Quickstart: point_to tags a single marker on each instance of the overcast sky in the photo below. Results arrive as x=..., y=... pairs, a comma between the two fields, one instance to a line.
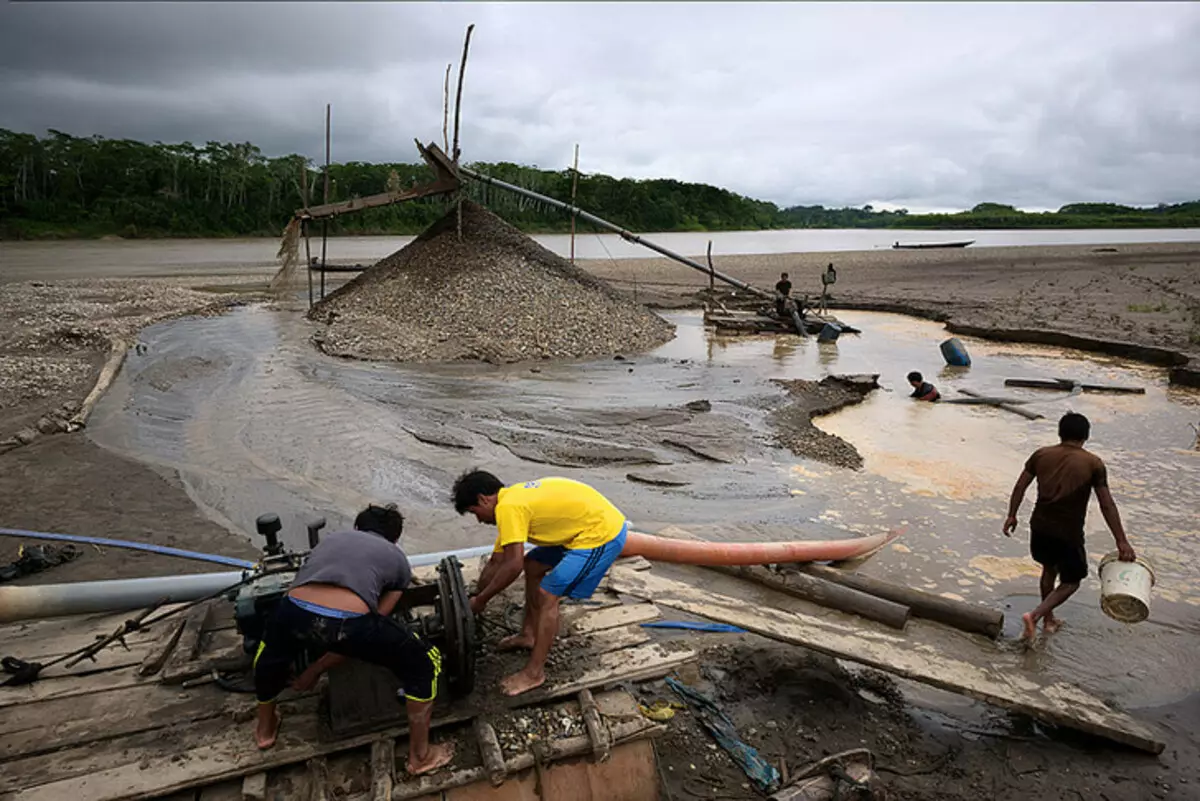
x=928, y=106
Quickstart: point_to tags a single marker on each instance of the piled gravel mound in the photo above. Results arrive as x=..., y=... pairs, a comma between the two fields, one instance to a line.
x=495, y=296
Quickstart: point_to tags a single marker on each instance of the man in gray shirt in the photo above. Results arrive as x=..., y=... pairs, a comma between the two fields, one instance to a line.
x=340, y=605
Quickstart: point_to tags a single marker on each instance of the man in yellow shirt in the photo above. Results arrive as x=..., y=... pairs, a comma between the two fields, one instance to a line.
x=579, y=534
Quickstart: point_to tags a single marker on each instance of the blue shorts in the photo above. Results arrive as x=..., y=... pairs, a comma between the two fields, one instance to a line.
x=577, y=573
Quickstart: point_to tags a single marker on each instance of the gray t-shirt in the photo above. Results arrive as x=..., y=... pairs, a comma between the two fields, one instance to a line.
x=361, y=561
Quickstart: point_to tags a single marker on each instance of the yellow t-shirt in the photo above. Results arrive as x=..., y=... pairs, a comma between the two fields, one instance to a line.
x=556, y=511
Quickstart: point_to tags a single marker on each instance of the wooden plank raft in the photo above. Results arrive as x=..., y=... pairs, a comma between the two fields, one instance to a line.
x=1054, y=702
x=116, y=735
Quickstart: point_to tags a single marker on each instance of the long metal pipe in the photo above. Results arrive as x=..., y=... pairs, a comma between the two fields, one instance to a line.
x=89, y=597
x=616, y=229
x=118, y=595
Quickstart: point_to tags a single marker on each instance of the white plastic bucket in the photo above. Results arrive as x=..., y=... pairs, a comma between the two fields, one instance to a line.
x=1125, y=588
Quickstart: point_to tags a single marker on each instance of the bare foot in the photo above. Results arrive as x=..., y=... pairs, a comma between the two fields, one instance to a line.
x=521, y=682
x=1051, y=624
x=1030, y=627
x=436, y=757
x=266, y=730
x=515, y=642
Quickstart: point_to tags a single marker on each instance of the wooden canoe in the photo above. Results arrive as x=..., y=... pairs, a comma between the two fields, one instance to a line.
x=932, y=245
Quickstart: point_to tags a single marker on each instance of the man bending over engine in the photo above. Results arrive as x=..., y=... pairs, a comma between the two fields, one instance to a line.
x=340, y=606
x=579, y=534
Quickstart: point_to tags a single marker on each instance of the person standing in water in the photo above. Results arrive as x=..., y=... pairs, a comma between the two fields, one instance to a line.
x=1066, y=476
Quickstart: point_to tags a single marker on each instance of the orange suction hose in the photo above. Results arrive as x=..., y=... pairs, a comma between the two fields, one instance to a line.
x=698, y=552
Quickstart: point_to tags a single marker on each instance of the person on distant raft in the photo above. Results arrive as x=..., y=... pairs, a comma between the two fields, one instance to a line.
x=1066, y=475
x=783, y=291
x=922, y=389
x=579, y=534
x=340, y=605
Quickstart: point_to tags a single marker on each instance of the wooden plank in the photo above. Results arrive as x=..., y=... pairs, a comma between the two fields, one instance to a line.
x=37, y=640
x=610, y=618
x=630, y=664
x=374, y=201
x=216, y=756
x=168, y=743
x=45, y=689
x=38, y=728
x=1006, y=686
x=602, y=642
x=383, y=768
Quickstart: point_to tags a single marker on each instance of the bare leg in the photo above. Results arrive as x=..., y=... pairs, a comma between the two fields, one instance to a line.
x=422, y=756
x=1053, y=600
x=1029, y=620
x=534, y=673
x=534, y=573
x=1049, y=621
x=266, y=724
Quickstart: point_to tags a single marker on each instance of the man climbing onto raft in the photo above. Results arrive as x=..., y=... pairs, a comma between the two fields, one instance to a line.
x=579, y=534
x=340, y=605
x=1066, y=475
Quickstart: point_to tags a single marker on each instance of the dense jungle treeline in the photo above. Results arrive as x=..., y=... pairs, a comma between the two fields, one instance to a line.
x=60, y=185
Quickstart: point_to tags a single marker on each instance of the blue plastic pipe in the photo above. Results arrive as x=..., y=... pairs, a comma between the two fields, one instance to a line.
x=133, y=546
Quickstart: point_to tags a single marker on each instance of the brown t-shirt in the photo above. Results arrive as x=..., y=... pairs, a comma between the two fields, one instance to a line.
x=1066, y=475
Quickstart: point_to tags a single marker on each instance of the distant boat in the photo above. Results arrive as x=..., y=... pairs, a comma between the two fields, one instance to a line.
x=931, y=245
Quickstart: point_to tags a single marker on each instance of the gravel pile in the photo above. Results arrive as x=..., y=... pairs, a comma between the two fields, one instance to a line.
x=495, y=296
x=793, y=424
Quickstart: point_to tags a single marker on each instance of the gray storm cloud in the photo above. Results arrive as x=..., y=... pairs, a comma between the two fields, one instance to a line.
x=925, y=106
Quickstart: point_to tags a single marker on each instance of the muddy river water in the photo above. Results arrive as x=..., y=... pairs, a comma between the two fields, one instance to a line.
x=254, y=419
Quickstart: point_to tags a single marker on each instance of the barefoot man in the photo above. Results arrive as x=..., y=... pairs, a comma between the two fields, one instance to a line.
x=1066, y=475
x=579, y=534
x=340, y=603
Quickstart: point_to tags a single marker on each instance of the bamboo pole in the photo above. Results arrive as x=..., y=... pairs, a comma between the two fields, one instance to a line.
x=462, y=68
x=304, y=231
x=325, y=223
x=628, y=236
x=307, y=260
x=574, y=189
x=446, y=110
x=712, y=287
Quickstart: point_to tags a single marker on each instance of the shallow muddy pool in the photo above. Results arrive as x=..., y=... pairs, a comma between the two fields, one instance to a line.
x=254, y=419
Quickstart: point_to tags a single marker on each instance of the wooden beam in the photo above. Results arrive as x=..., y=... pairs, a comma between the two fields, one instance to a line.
x=328, y=210
x=824, y=593
x=990, y=680
x=489, y=750
x=162, y=648
x=959, y=614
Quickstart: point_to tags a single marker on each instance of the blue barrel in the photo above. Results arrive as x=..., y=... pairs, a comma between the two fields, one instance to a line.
x=955, y=353
x=829, y=333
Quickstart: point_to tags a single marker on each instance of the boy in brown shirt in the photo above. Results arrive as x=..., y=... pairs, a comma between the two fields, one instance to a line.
x=1066, y=475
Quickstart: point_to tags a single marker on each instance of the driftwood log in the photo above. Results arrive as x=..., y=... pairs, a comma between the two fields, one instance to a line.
x=959, y=614
x=826, y=593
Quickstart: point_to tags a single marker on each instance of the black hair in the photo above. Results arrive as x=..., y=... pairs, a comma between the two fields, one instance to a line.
x=1074, y=427
x=386, y=521
x=783, y=275
x=915, y=376
x=470, y=485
